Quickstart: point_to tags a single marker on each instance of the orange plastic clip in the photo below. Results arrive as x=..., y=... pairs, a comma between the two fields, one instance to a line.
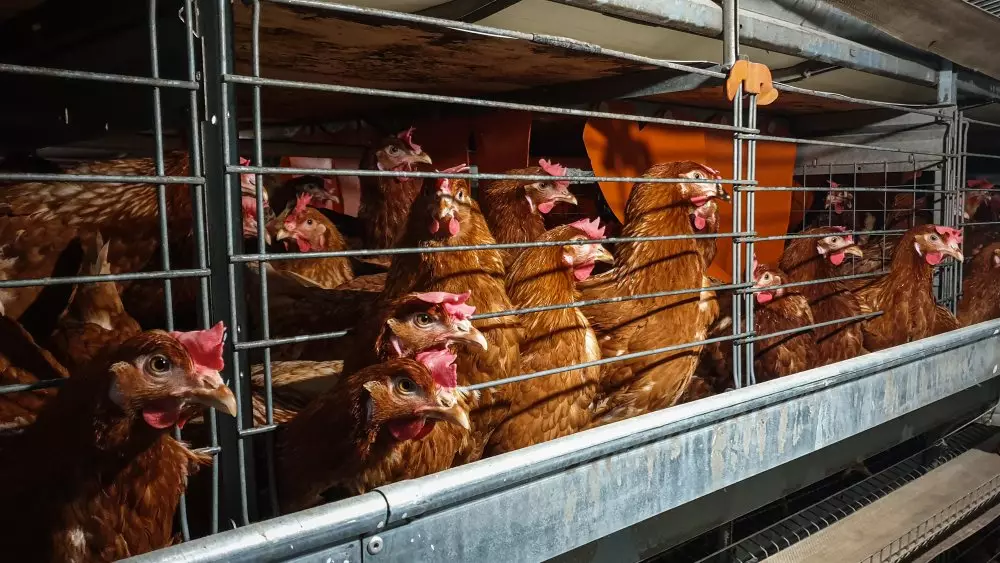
x=755, y=78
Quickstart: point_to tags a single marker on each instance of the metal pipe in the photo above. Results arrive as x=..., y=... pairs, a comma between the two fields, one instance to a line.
x=730, y=42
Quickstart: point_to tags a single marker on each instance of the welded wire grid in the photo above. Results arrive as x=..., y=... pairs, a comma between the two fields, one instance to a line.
x=154, y=85
x=821, y=515
x=939, y=523
x=216, y=133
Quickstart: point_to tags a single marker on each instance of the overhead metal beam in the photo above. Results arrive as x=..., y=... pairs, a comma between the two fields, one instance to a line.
x=470, y=11
x=704, y=17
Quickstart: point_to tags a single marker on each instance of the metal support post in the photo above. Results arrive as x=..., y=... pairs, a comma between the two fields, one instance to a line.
x=227, y=304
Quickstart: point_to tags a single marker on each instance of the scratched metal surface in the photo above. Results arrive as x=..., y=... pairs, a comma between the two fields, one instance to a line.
x=568, y=492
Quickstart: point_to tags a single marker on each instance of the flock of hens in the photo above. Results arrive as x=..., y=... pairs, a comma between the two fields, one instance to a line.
x=95, y=473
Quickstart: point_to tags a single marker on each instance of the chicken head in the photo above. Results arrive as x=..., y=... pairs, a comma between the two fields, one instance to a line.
x=250, y=218
x=766, y=278
x=166, y=378
x=838, y=200
x=700, y=193
x=450, y=203
x=934, y=242
x=399, y=153
x=406, y=396
x=834, y=247
x=432, y=320
x=316, y=187
x=581, y=258
x=302, y=225
x=543, y=196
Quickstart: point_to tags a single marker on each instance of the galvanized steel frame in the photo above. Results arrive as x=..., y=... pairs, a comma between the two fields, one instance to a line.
x=615, y=476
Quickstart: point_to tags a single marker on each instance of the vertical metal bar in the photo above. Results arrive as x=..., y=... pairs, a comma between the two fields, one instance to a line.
x=730, y=32
x=751, y=228
x=258, y=155
x=738, y=277
x=220, y=148
x=161, y=205
x=198, y=217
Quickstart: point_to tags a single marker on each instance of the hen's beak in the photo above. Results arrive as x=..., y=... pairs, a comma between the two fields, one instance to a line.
x=421, y=157
x=282, y=234
x=854, y=250
x=448, y=409
x=601, y=254
x=213, y=393
x=564, y=197
x=465, y=332
x=953, y=252
x=721, y=193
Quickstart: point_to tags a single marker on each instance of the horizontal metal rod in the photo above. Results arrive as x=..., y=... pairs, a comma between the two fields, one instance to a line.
x=980, y=155
x=234, y=169
x=263, y=429
x=933, y=110
x=99, y=178
x=96, y=76
x=749, y=289
x=466, y=247
x=256, y=344
x=979, y=223
x=861, y=317
x=795, y=140
x=863, y=164
x=981, y=122
x=821, y=235
x=636, y=297
x=22, y=387
x=421, y=97
x=169, y=275
x=601, y=362
x=552, y=40
x=901, y=189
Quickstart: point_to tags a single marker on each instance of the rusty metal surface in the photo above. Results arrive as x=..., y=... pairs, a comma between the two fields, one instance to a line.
x=314, y=45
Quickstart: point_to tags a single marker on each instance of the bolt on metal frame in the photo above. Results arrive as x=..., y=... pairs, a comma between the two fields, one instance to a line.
x=214, y=189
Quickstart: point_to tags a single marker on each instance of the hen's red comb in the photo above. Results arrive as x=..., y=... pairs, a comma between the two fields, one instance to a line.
x=441, y=364
x=949, y=233
x=248, y=182
x=980, y=183
x=453, y=303
x=301, y=202
x=249, y=204
x=715, y=173
x=407, y=137
x=444, y=184
x=832, y=184
x=592, y=228
x=554, y=169
x=204, y=346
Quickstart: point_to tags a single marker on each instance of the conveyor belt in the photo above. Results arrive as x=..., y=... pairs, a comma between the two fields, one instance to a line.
x=820, y=516
x=908, y=517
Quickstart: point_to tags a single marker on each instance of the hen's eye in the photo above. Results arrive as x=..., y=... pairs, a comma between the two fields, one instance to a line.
x=766, y=277
x=406, y=386
x=159, y=364
x=423, y=319
x=935, y=238
x=393, y=150
x=460, y=195
x=309, y=222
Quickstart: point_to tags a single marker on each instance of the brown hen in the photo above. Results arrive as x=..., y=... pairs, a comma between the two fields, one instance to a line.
x=905, y=296
x=981, y=288
x=376, y=411
x=559, y=404
x=386, y=201
x=778, y=310
x=304, y=229
x=121, y=473
x=654, y=381
x=514, y=209
x=813, y=259
x=446, y=215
